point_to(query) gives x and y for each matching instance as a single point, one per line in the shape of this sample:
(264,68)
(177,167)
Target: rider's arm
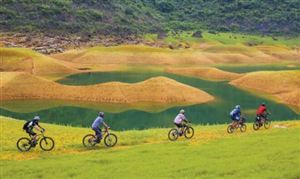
(105,125)
(38,127)
(186,120)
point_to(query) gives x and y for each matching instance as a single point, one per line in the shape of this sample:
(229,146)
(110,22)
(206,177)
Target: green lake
(216,112)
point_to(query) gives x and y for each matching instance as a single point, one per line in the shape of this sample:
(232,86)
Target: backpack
(25,125)
(232,113)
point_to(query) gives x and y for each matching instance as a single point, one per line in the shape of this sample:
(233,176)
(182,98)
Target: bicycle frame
(241,121)
(37,137)
(263,119)
(185,125)
(105,132)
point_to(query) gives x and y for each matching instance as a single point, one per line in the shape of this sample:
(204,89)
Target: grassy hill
(208,55)
(284,85)
(161,90)
(212,153)
(125,17)
(26,60)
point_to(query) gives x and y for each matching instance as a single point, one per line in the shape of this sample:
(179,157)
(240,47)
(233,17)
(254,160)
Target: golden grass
(209,73)
(285,85)
(26,60)
(154,90)
(280,52)
(208,55)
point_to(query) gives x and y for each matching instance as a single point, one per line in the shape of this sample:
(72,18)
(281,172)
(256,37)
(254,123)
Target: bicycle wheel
(188,132)
(110,140)
(24,144)
(243,127)
(230,129)
(267,124)
(256,125)
(173,134)
(89,140)
(47,143)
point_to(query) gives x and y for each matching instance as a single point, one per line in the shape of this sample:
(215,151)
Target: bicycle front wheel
(243,127)
(110,140)
(24,144)
(267,124)
(47,143)
(188,132)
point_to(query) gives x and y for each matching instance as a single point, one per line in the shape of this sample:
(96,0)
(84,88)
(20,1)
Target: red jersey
(261,109)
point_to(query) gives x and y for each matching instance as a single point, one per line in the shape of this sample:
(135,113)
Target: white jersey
(179,118)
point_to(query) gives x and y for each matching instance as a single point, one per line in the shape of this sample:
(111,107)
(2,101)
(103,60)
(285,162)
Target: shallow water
(214,112)
(253,68)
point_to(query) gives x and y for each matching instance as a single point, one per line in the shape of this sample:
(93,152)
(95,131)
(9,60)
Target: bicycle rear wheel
(110,140)
(24,144)
(188,132)
(173,134)
(47,143)
(230,129)
(256,125)
(89,140)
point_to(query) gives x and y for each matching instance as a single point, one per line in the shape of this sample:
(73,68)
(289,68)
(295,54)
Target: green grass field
(227,39)
(212,153)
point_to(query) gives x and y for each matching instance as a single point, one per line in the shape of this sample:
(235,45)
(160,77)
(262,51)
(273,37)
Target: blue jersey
(97,122)
(235,112)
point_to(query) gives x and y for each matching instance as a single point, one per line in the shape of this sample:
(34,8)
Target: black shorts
(179,125)
(30,132)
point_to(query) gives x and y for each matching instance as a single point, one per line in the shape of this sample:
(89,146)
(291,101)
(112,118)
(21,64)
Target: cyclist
(96,126)
(179,121)
(33,124)
(261,112)
(235,115)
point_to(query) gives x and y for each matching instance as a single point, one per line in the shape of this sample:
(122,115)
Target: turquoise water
(253,68)
(216,112)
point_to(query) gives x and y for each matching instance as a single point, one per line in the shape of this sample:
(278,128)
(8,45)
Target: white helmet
(182,111)
(238,107)
(101,114)
(36,118)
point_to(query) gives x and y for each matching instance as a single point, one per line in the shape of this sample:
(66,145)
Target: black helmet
(263,104)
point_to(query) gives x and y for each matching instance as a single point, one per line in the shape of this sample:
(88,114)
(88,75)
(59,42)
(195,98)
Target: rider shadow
(97,147)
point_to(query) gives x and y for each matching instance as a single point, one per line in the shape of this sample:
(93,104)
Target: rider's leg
(177,127)
(97,134)
(182,128)
(233,123)
(32,136)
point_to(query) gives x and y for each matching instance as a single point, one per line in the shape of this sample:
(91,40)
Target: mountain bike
(241,125)
(262,121)
(187,131)
(90,140)
(25,144)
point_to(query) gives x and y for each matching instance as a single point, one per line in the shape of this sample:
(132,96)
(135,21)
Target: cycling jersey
(261,109)
(97,122)
(179,118)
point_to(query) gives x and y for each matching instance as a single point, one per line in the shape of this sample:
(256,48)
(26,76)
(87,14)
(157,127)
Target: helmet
(181,111)
(263,104)
(238,107)
(101,114)
(36,118)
